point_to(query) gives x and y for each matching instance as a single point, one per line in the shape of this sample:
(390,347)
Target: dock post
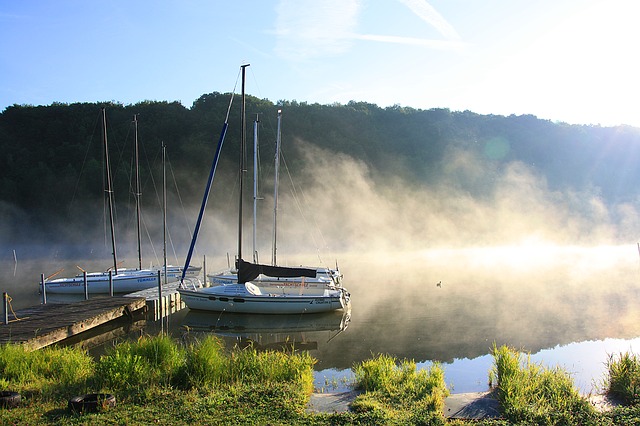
(160,295)
(44,290)
(110,283)
(6,308)
(86,285)
(204,271)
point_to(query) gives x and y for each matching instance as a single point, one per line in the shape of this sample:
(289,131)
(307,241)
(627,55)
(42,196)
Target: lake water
(567,306)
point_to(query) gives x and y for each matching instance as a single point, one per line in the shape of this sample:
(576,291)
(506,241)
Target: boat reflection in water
(270,332)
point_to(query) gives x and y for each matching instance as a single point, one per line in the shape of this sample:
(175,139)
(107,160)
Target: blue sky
(566,60)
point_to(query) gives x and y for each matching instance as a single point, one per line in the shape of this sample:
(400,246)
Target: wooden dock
(44,325)
(159,307)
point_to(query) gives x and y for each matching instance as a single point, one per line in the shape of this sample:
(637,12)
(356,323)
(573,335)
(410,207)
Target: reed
(399,389)
(530,392)
(624,377)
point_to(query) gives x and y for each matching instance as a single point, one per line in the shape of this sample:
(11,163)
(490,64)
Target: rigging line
(144,223)
(104,195)
(296,198)
(142,213)
(131,219)
(184,212)
(173,248)
(257,85)
(120,148)
(132,189)
(168,232)
(155,190)
(151,177)
(131,216)
(153,247)
(175,184)
(158,198)
(131,162)
(84,162)
(109,172)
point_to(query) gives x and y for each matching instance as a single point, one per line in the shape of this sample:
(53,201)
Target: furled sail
(248,271)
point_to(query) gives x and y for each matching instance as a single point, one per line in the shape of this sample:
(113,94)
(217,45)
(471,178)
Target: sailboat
(244,296)
(325,277)
(124,280)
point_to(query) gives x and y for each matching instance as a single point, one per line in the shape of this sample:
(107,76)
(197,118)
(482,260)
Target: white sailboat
(126,280)
(326,278)
(244,296)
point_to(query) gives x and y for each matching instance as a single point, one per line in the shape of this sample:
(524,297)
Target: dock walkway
(44,325)
(161,306)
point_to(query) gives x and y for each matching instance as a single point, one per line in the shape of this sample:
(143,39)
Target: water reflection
(578,296)
(305,332)
(226,322)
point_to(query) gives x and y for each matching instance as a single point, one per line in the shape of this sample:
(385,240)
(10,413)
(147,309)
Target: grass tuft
(529,392)
(624,377)
(399,387)
(206,364)
(131,367)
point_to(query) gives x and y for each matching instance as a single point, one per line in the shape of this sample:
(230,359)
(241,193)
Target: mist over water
(518,263)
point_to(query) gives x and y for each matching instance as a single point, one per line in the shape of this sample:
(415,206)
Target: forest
(52,162)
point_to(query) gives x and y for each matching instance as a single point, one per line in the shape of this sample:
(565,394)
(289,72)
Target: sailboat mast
(242,159)
(164,209)
(137,189)
(205,197)
(255,186)
(108,189)
(275,191)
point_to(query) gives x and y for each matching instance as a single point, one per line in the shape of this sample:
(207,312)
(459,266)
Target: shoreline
(466,405)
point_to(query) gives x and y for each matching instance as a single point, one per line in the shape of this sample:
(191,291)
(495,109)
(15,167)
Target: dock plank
(44,325)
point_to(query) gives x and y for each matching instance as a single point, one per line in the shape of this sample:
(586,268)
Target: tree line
(52,155)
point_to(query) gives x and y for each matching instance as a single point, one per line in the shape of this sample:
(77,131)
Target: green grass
(624,377)
(46,371)
(398,391)
(132,367)
(157,380)
(205,364)
(530,392)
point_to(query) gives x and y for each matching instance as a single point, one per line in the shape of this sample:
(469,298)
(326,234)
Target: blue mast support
(205,198)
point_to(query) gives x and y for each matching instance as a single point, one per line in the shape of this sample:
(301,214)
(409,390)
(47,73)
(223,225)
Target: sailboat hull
(247,298)
(126,281)
(98,283)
